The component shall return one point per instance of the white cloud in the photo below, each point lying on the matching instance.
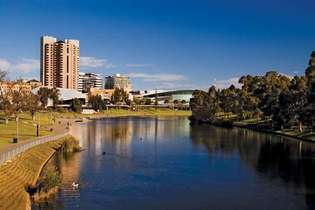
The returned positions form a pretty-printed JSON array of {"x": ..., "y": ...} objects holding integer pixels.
[
  {"x": 176, "y": 86},
  {"x": 93, "y": 62},
  {"x": 138, "y": 65},
  {"x": 4, "y": 64},
  {"x": 226, "y": 83},
  {"x": 24, "y": 65},
  {"x": 287, "y": 75},
  {"x": 157, "y": 77},
  {"x": 27, "y": 65}
]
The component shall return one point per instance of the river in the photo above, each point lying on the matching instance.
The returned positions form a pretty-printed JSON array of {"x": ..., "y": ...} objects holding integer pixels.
[{"x": 135, "y": 163}]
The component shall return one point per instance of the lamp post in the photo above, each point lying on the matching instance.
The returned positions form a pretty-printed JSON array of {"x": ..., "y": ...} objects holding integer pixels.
[{"x": 15, "y": 140}]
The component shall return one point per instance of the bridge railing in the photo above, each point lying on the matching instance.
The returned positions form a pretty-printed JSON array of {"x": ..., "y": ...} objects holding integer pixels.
[{"x": 15, "y": 149}]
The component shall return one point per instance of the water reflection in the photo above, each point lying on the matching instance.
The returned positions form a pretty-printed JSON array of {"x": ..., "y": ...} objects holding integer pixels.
[
  {"x": 275, "y": 157},
  {"x": 164, "y": 163},
  {"x": 119, "y": 133},
  {"x": 68, "y": 166}
]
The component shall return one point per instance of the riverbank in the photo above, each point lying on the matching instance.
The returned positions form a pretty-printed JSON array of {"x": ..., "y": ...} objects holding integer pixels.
[
  {"x": 52, "y": 123},
  {"x": 262, "y": 126},
  {"x": 292, "y": 135},
  {"x": 23, "y": 170},
  {"x": 126, "y": 113}
]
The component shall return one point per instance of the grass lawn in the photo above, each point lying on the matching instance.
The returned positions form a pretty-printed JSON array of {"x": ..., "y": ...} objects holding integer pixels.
[
  {"x": 123, "y": 112},
  {"x": 27, "y": 128},
  {"x": 251, "y": 121}
]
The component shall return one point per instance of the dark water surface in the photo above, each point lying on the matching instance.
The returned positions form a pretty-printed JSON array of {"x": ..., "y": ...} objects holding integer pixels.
[{"x": 164, "y": 163}]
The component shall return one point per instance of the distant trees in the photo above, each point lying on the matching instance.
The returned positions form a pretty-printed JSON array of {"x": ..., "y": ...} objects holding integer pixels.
[
  {"x": 33, "y": 104},
  {"x": 204, "y": 105},
  {"x": 12, "y": 102},
  {"x": 76, "y": 105},
  {"x": 147, "y": 101},
  {"x": 14, "y": 99},
  {"x": 3, "y": 75},
  {"x": 287, "y": 101},
  {"x": 310, "y": 80},
  {"x": 97, "y": 103},
  {"x": 120, "y": 96},
  {"x": 6, "y": 104},
  {"x": 137, "y": 101},
  {"x": 45, "y": 94},
  {"x": 54, "y": 95}
]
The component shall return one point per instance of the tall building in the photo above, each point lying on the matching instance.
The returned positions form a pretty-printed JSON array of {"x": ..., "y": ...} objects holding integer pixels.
[
  {"x": 59, "y": 65},
  {"x": 118, "y": 81},
  {"x": 89, "y": 80}
]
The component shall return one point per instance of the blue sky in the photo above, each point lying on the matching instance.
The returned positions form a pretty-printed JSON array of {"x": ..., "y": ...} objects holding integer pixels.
[{"x": 170, "y": 44}]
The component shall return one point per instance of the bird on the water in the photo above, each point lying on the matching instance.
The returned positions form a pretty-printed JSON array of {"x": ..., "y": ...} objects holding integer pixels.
[{"x": 75, "y": 185}]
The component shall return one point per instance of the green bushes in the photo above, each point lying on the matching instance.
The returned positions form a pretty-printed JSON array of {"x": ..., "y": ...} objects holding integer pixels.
[{"x": 51, "y": 179}]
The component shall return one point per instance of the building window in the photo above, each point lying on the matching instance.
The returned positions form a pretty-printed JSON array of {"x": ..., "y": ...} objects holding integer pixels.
[{"x": 67, "y": 64}]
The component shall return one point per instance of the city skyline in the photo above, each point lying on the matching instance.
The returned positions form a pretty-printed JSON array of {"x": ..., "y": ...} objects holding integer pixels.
[{"x": 163, "y": 44}]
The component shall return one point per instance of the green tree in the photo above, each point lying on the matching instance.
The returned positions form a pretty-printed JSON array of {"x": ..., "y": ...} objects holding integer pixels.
[
  {"x": 205, "y": 105},
  {"x": 137, "y": 101},
  {"x": 166, "y": 101},
  {"x": 76, "y": 105},
  {"x": 33, "y": 104},
  {"x": 119, "y": 96},
  {"x": 54, "y": 96},
  {"x": 310, "y": 79},
  {"x": 6, "y": 104},
  {"x": 289, "y": 102},
  {"x": 148, "y": 101},
  {"x": 45, "y": 93},
  {"x": 97, "y": 103},
  {"x": 3, "y": 75}
]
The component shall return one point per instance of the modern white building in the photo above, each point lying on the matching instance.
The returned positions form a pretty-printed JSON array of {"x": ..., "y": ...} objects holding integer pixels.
[
  {"x": 89, "y": 80},
  {"x": 171, "y": 96},
  {"x": 65, "y": 96}
]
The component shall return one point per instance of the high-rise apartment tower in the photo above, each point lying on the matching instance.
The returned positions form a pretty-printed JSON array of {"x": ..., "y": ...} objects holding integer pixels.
[{"x": 59, "y": 65}]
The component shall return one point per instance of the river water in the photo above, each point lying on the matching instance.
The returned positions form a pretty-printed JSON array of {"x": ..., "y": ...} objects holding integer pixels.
[{"x": 165, "y": 163}]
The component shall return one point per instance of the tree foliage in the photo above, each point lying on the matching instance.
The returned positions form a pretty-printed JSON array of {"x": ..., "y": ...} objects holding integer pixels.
[
  {"x": 287, "y": 101},
  {"x": 3, "y": 75},
  {"x": 45, "y": 94},
  {"x": 97, "y": 103},
  {"x": 119, "y": 96},
  {"x": 76, "y": 105}
]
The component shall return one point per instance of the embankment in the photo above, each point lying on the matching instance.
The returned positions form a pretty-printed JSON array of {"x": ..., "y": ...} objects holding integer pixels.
[
  {"x": 23, "y": 170},
  {"x": 259, "y": 127}
]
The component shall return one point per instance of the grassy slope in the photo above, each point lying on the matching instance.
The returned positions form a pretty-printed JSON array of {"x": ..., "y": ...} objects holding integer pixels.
[{"x": 23, "y": 170}]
